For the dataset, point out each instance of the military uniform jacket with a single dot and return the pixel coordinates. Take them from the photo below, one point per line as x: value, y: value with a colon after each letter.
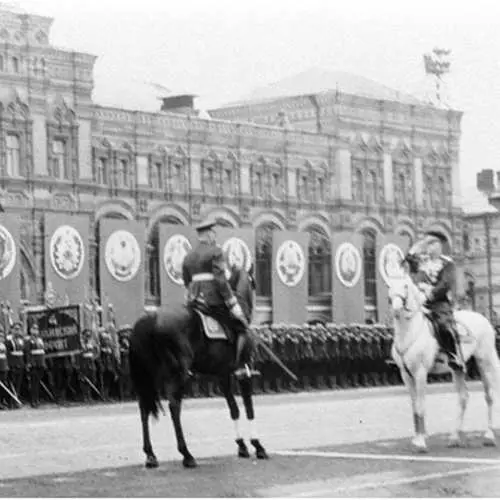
x: 89, y: 354
x: 15, y: 352
x: 203, y: 275
x: 441, y: 274
x: 35, y: 352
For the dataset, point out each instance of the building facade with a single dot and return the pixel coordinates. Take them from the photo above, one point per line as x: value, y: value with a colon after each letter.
x: 324, y: 164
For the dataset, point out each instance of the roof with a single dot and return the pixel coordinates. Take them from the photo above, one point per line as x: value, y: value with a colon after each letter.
x: 476, y: 203
x: 316, y: 80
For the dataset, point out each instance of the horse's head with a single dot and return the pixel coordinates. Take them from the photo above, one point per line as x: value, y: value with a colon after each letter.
x: 403, y: 296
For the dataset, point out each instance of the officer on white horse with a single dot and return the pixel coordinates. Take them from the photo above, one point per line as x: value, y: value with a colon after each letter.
x: 436, y: 276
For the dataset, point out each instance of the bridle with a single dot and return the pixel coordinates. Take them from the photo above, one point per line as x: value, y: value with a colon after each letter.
x: 403, y: 297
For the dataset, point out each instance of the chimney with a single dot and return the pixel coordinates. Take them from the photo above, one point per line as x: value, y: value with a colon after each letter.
x: 179, y: 104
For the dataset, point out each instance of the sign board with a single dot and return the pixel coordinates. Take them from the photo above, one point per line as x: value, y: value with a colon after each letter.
x: 59, y: 329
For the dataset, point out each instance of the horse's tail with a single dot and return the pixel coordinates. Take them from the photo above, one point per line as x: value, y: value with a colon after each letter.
x: 145, y: 365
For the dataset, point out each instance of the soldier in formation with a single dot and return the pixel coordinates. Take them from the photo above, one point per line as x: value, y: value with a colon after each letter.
x: 88, y: 372
x: 15, y: 357
x: 108, y: 364
x: 35, y: 363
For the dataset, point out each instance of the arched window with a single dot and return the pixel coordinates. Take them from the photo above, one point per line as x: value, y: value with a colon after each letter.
x: 427, y: 194
x: 153, y: 255
x: 320, y: 262
x: 264, y: 258
x: 403, y: 198
x: 15, y: 65
x: 370, y: 272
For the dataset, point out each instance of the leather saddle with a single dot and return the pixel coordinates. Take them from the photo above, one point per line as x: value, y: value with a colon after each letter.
x: 212, y: 328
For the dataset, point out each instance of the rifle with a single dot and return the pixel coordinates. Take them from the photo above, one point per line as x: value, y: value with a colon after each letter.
x: 12, y: 394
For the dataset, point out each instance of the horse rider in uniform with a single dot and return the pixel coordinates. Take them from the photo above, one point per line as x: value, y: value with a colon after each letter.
x: 15, y: 356
x: 208, y: 289
x: 437, y: 283
x: 35, y: 363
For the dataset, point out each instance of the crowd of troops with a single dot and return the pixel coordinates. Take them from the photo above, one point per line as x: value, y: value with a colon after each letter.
x: 99, y: 372
x: 321, y: 356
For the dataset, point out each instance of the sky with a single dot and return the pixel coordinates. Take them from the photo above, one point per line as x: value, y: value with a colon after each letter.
x: 221, y: 50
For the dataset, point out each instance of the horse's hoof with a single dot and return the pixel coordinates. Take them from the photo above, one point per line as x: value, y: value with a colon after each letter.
x: 242, y: 449
x: 152, y: 462
x: 419, y: 445
x: 189, y: 463
x: 489, y: 440
x: 260, y: 451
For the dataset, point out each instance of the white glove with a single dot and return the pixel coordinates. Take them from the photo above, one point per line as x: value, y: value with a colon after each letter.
x: 237, y: 312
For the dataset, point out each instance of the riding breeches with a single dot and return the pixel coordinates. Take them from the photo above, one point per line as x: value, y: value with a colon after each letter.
x: 446, y: 332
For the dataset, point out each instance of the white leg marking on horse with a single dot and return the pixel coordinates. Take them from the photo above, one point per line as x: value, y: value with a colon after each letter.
x: 237, y: 431
x: 253, y: 429
x: 394, y: 457
x: 463, y: 398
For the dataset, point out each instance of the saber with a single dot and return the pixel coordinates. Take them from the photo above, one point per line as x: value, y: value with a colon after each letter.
x: 10, y: 393
x: 86, y: 379
x: 46, y: 389
x: 273, y: 356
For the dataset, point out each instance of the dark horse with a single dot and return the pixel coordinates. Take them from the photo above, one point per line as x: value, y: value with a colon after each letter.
x: 164, y: 345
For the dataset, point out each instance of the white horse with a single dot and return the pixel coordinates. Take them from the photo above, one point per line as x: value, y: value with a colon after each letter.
x: 415, y: 350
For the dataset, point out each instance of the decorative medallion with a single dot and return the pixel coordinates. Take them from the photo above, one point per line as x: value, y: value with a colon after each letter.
x: 67, y: 252
x: 390, y: 262
x: 175, y: 250
x: 8, y: 252
x: 348, y: 264
x: 237, y: 253
x: 122, y: 255
x: 290, y: 263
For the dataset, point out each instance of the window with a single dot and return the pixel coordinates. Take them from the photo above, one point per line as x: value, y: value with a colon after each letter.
x: 59, y: 168
x: 370, y: 269
x: 320, y: 263
x: 258, y: 187
x: 102, y: 171
x: 158, y: 167
x: 15, y: 65
x: 13, y: 155
x: 228, y: 181
x: 177, y: 181
x: 442, y: 194
x: 304, y: 194
x: 403, y: 199
x: 359, y: 194
x: 276, y: 185
x: 466, y: 241
x: 124, y: 173
x: 320, y: 189
x: 209, y: 180
x: 1, y: 64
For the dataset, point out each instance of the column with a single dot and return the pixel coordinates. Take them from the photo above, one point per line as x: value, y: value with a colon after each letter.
x: 344, y: 184
x: 388, y: 179
x: 419, y: 182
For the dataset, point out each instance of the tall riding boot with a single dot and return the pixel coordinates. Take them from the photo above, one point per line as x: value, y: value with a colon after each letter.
x: 455, y: 361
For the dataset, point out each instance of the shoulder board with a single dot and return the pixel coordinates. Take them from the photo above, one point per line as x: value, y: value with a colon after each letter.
x: 446, y: 259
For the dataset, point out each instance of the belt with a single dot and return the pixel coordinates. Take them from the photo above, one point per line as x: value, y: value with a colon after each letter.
x: 202, y: 277
x: 37, y: 351
x: 88, y: 355
x: 17, y: 353
x: 3, y: 356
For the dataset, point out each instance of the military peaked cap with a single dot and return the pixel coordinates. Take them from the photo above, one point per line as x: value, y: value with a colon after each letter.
x: 205, y: 226
x: 438, y: 235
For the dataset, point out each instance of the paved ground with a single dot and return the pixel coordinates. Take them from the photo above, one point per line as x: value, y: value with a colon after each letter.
x: 336, y: 443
